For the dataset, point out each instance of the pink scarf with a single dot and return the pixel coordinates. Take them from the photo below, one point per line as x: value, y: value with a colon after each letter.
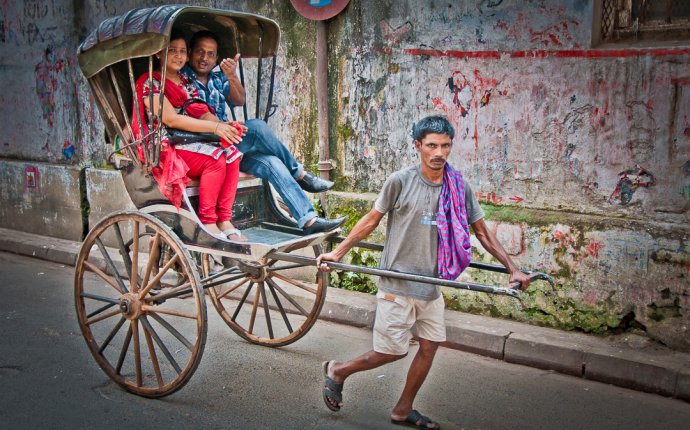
x: 454, y: 249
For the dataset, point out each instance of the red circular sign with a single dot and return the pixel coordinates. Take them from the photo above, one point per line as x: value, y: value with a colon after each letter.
x: 319, y: 10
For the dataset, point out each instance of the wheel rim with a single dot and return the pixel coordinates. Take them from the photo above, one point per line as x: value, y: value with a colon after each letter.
x: 139, y: 304
x: 270, y: 309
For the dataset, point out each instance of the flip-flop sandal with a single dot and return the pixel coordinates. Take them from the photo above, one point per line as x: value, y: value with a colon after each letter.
x: 417, y: 421
x: 234, y: 232
x: 331, y: 389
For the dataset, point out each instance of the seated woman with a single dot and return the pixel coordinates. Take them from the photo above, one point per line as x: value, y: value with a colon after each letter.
x: 215, y: 164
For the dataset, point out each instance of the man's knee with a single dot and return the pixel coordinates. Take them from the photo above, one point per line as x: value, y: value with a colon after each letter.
x: 270, y: 167
x: 257, y: 125
x: 428, y: 347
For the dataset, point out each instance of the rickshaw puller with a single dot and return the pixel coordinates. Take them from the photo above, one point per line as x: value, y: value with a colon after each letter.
x: 430, y: 208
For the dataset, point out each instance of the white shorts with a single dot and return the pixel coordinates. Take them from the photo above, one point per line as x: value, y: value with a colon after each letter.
x: 395, y: 316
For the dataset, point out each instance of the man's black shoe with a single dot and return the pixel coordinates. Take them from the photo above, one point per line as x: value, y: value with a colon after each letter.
x: 320, y: 225
x: 314, y: 184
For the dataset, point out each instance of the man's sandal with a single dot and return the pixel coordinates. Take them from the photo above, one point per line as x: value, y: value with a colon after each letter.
x: 331, y: 390
x: 417, y: 421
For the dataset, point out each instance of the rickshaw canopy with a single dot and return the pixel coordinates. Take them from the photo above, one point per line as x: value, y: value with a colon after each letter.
x: 145, y: 31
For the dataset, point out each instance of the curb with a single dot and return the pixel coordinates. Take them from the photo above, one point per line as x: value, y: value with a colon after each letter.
x: 653, y: 369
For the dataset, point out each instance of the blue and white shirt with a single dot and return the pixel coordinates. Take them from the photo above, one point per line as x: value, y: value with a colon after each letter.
x: 215, y: 92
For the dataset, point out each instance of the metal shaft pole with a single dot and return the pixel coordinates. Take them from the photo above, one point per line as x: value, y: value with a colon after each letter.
x: 309, y: 261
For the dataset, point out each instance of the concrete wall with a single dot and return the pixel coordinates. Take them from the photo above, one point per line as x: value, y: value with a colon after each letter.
x: 41, y: 198
x: 580, y: 154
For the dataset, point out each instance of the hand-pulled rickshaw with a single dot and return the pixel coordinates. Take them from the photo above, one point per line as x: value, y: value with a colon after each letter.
x: 141, y: 275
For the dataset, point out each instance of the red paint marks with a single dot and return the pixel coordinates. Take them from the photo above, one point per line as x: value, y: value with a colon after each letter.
x: 439, y: 105
x: 484, y: 82
x: 629, y: 181
x: 501, y: 26
x: 554, y: 39
x: 489, y: 197
x: 393, y: 36
x: 566, y: 53
x: 593, y: 248
x: 599, y: 116
x: 475, y: 135
x: 680, y: 81
x: 563, y: 239
x: 516, y: 199
x: 485, y: 98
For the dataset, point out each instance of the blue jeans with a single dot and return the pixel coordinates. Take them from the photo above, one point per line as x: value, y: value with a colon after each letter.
x: 267, y: 158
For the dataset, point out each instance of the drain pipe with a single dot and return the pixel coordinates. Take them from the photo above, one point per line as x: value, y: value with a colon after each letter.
x: 325, y: 163
x: 321, y: 11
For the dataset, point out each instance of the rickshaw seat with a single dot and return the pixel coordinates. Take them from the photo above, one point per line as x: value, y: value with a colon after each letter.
x: 193, y: 185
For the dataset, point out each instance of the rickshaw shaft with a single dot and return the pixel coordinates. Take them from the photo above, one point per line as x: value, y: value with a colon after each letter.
x: 309, y: 261
x: 378, y: 247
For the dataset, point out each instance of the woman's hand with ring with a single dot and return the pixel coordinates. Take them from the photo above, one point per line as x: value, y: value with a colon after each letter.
x: 228, y: 133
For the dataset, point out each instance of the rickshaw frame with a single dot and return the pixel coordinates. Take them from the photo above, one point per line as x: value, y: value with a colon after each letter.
x: 152, y: 257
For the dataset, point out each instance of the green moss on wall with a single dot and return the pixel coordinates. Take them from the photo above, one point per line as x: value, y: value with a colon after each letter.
x: 298, y: 34
x: 345, y: 132
x: 543, y: 306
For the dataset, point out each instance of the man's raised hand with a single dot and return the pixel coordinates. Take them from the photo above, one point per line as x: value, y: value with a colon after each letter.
x: 229, y: 66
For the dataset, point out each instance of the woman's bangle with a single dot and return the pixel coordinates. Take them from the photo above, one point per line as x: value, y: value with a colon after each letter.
x: 216, y: 129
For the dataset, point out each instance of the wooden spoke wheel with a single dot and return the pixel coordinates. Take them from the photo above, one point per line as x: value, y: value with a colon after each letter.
x: 140, y: 304
x: 269, y: 308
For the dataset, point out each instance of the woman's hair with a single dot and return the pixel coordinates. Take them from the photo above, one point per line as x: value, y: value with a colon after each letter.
x: 176, y: 34
x: 432, y: 124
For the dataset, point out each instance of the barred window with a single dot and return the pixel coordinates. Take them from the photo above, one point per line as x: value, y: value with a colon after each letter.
x: 644, y: 20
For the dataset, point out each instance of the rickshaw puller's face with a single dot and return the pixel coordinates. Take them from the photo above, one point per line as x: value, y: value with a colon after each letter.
x: 434, y: 150
x: 204, y: 56
x: 177, y: 55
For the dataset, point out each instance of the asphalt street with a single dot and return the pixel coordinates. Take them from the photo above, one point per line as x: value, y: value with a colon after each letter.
x: 49, y: 380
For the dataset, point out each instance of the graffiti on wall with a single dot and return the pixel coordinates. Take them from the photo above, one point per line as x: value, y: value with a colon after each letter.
x: 47, y: 72
x: 564, y: 250
x: 35, y: 22
x: 393, y: 36
x: 629, y: 181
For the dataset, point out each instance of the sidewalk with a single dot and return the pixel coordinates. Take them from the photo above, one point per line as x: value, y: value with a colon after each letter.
x: 627, y: 360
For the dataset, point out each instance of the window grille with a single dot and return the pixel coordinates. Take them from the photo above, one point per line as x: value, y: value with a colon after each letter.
x: 645, y: 20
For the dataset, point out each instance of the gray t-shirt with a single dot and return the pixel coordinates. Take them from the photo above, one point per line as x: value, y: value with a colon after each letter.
x: 411, y: 202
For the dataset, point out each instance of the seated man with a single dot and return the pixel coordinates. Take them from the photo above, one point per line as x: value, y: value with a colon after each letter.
x: 264, y: 156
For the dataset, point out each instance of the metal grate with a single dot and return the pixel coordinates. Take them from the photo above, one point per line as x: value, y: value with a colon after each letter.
x: 645, y: 19
x: 608, y: 20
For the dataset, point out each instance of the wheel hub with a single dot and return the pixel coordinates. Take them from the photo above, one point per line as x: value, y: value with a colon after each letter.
x: 259, y: 276
x: 255, y: 272
x: 130, y: 305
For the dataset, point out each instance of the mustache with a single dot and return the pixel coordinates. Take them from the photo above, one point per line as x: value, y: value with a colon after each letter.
x: 438, y: 159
